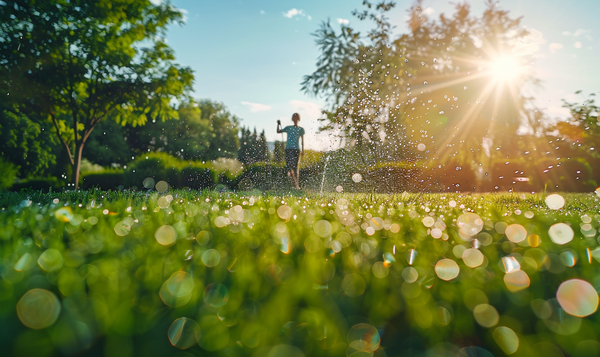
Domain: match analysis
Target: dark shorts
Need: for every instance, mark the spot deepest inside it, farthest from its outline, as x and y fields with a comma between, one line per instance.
x=291, y=159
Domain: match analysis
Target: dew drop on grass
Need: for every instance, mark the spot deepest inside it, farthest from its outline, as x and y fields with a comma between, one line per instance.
x=38, y=308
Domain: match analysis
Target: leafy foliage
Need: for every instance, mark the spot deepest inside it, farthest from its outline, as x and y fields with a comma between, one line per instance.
x=76, y=63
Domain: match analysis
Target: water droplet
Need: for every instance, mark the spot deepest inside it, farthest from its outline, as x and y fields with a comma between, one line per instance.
x=357, y=177
x=472, y=258
x=421, y=147
x=469, y=224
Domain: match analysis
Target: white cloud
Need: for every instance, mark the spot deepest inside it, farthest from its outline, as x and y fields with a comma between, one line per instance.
x=580, y=32
x=309, y=17
x=343, y=21
x=262, y=12
x=156, y=2
x=555, y=46
x=293, y=12
x=577, y=44
x=257, y=107
x=428, y=11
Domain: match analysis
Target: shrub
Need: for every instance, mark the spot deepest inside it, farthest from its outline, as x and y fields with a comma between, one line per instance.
x=197, y=178
x=107, y=180
x=152, y=165
x=9, y=174
x=393, y=177
x=40, y=184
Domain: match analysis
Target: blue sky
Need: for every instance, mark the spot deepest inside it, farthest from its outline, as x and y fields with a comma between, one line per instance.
x=252, y=55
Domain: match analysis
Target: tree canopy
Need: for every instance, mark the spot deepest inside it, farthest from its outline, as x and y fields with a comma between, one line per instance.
x=77, y=62
x=448, y=83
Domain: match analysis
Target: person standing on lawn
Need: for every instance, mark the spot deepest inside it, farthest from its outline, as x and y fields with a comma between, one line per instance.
x=295, y=133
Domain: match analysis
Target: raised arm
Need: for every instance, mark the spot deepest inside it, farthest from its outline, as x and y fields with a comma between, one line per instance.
x=279, y=127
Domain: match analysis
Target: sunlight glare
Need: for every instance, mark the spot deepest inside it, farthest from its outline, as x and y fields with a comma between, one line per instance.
x=506, y=68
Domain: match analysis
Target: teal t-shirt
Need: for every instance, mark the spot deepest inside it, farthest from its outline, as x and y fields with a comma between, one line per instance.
x=293, y=136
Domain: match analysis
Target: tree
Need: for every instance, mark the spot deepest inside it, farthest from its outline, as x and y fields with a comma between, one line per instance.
x=78, y=62
x=262, y=148
x=25, y=144
x=583, y=127
x=224, y=140
x=438, y=91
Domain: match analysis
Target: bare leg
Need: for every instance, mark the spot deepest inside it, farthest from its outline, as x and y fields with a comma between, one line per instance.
x=295, y=177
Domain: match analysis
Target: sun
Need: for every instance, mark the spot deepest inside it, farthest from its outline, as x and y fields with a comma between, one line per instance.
x=506, y=69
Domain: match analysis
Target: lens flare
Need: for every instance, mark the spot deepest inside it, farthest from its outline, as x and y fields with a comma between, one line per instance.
x=184, y=333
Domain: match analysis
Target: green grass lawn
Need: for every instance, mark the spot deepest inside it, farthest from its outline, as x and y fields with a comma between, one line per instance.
x=189, y=274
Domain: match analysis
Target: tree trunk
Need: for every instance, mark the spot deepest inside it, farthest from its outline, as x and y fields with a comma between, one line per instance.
x=77, y=162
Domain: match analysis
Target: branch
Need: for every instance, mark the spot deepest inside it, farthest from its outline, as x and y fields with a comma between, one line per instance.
x=61, y=138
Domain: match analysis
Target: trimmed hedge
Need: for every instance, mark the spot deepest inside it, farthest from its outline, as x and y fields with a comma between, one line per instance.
x=42, y=184
x=109, y=180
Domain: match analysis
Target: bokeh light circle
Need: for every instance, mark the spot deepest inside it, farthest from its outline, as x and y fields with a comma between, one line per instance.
x=38, y=308
x=486, y=315
x=51, y=260
x=165, y=235
x=323, y=228
x=515, y=233
x=447, y=269
x=216, y=295
x=472, y=257
x=162, y=186
x=357, y=177
x=516, y=280
x=284, y=212
x=561, y=233
x=577, y=297
x=364, y=337
x=410, y=274
x=180, y=283
x=507, y=339
x=184, y=333
x=469, y=224
x=211, y=258
x=353, y=285
x=555, y=201
x=148, y=182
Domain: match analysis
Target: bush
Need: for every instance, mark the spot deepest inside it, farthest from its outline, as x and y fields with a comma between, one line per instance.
x=41, y=184
x=263, y=176
x=107, y=180
x=393, y=177
x=197, y=178
x=9, y=174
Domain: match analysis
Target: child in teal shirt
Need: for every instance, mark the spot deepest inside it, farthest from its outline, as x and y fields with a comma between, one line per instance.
x=292, y=147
